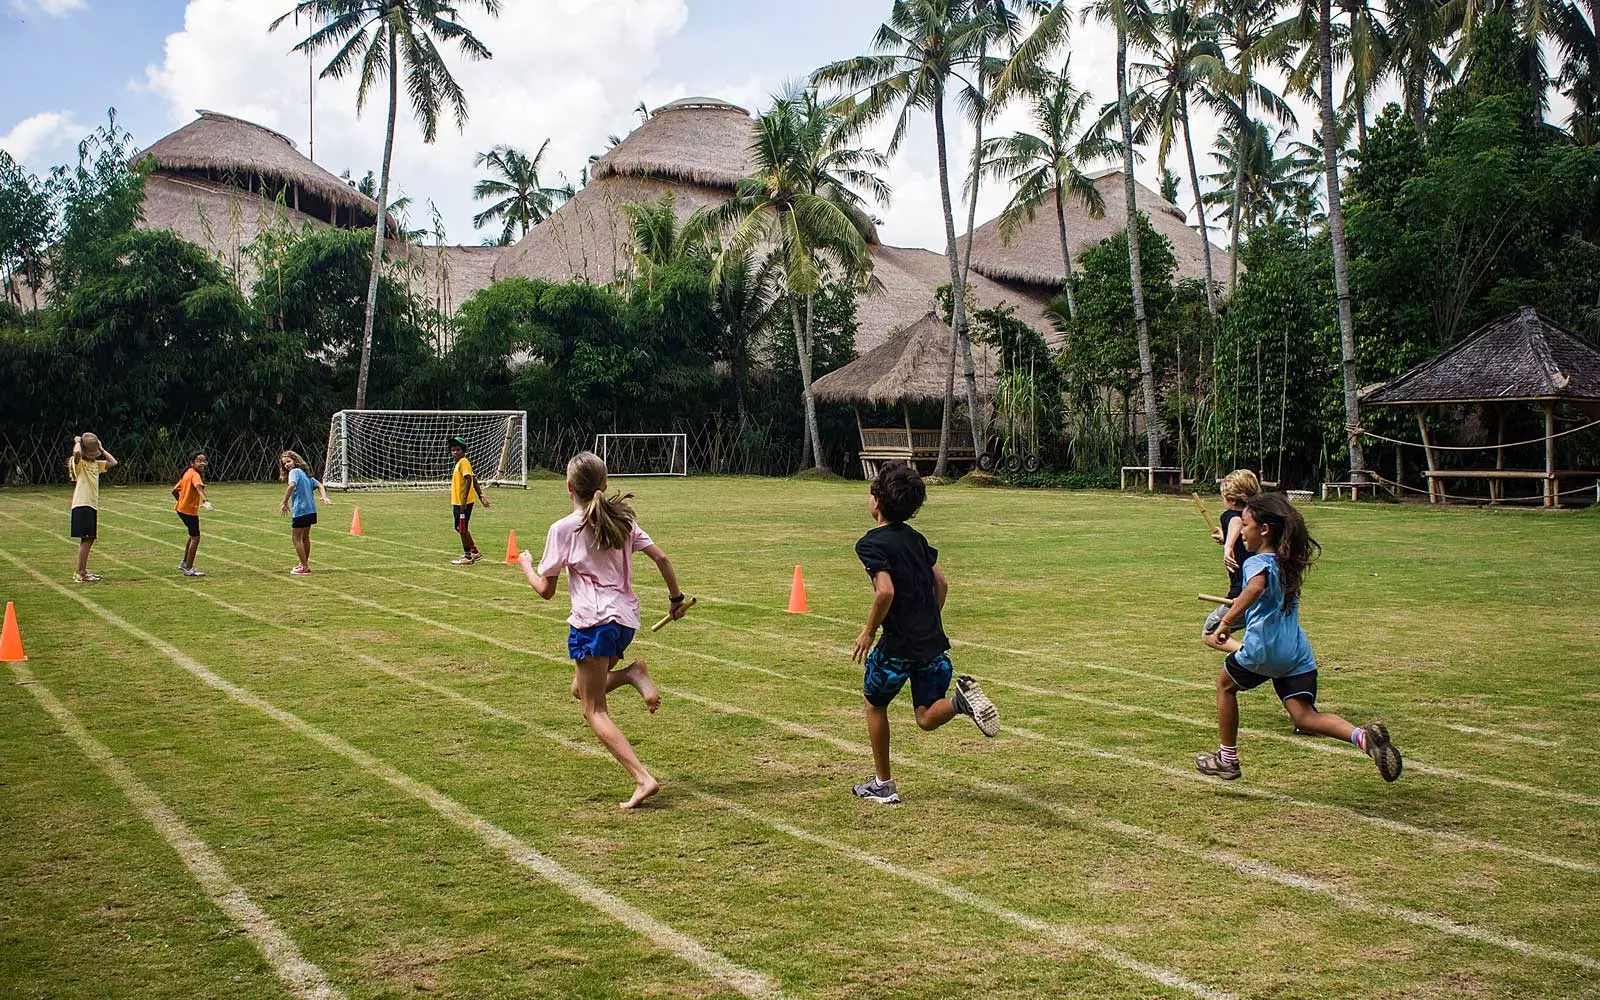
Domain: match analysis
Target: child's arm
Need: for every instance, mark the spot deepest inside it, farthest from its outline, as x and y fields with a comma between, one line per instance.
x=321, y=489
x=668, y=576
x=473, y=486
x=200, y=488
x=941, y=586
x=108, y=458
x=544, y=586
x=882, y=598
x=1234, y=529
x=288, y=491
x=1221, y=640
x=77, y=447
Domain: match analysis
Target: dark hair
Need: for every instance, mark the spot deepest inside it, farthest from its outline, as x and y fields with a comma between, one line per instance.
x=456, y=442
x=899, y=490
x=195, y=454
x=1291, y=541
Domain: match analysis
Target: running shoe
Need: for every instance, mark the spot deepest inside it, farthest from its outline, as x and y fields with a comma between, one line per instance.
x=84, y=578
x=475, y=557
x=301, y=571
x=183, y=567
x=461, y=561
x=881, y=792
x=191, y=571
x=1383, y=753
x=1213, y=764
x=969, y=700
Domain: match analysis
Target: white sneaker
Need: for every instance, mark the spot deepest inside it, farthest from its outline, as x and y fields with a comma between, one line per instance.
x=463, y=561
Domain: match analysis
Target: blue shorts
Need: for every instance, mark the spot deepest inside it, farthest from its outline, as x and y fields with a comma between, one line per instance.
x=609, y=639
x=886, y=675
x=1294, y=686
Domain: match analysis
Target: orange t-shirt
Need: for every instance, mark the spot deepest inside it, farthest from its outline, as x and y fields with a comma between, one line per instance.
x=189, y=492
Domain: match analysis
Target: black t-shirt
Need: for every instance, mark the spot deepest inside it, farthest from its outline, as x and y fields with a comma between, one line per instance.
x=1240, y=554
x=913, y=628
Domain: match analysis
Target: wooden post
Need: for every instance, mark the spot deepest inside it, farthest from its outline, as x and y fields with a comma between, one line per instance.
x=1550, y=497
x=1495, y=485
x=1434, y=488
x=911, y=439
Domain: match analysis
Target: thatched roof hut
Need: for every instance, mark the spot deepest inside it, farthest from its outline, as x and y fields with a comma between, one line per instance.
x=1033, y=256
x=242, y=155
x=1521, y=356
x=696, y=140
x=909, y=367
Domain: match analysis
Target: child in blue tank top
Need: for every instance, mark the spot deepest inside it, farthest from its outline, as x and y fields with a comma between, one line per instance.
x=1275, y=647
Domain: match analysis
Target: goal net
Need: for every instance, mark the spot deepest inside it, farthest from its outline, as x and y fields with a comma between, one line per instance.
x=644, y=454
x=410, y=449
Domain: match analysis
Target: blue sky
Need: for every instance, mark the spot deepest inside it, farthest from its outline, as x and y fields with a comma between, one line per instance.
x=569, y=70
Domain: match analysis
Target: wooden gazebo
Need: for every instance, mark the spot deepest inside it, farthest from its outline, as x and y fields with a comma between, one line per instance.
x=1522, y=358
x=910, y=367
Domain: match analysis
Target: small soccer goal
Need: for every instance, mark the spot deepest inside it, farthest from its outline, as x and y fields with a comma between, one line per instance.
x=644, y=454
x=409, y=449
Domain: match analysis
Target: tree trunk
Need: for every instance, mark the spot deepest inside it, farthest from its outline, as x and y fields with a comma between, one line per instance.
x=975, y=412
x=1066, y=246
x=1341, y=266
x=382, y=225
x=803, y=348
x=1147, y=376
x=1199, y=207
x=958, y=291
x=1241, y=138
x=1361, y=93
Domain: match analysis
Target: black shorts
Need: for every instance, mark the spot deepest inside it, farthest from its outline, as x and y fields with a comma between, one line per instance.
x=460, y=515
x=192, y=522
x=85, y=522
x=1297, y=686
x=303, y=521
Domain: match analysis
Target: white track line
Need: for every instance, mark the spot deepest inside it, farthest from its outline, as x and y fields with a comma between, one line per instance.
x=1062, y=934
x=1414, y=765
x=302, y=977
x=746, y=981
x=1248, y=867
x=1462, y=840
x=1502, y=735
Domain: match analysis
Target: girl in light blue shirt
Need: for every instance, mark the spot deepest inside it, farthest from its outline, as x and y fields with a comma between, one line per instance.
x=1275, y=647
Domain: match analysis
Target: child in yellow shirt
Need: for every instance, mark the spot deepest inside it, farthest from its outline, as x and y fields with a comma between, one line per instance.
x=463, y=486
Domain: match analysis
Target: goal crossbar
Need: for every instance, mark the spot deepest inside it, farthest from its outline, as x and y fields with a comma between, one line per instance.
x=409, y=449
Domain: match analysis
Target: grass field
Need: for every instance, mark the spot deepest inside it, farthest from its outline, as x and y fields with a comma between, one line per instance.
x=371, y=782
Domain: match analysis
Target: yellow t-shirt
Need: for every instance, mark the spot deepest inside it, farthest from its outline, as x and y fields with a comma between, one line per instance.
x=86, y=476
x=458, y=483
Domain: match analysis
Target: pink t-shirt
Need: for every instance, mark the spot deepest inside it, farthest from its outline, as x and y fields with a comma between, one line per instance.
x=600, y=581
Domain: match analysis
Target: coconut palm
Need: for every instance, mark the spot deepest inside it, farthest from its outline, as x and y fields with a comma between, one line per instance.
x=523, y=201
x=1187, y=59
x=1577, y=34
x=1366, y=48
x=381, y=39
x=1273, y=177
x=1417, y=30
x=807, y=219
x=928, y=50
x=1048, y=163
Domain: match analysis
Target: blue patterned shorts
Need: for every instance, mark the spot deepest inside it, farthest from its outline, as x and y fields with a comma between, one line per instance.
x=886, y=675
x=608, y=639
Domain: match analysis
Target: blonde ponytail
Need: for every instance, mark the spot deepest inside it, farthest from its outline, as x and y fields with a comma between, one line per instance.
x=611, y=518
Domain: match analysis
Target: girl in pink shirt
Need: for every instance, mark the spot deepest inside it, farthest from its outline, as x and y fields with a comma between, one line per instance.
x=595, y=545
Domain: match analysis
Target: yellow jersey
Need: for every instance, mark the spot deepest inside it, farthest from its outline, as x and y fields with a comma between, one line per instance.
x=459, y=496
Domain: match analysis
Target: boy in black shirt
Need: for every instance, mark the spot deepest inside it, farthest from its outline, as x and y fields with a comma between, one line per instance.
x=908, y=592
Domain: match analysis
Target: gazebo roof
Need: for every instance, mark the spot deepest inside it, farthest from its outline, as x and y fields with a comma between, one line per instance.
x=909, y=367
x=1522, y=356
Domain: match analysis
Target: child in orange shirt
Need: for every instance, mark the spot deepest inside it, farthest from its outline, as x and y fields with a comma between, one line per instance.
x=191, y=496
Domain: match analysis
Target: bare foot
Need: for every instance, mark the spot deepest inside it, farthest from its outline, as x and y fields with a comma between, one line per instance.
x=639, y=676
x=641, y=792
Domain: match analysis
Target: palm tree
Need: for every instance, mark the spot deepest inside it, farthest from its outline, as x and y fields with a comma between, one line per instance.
x=1243, y=25
x=379, y=39
x=1577, y=34
x=926, y=49
x=660, y=240
x=1048, y=163
x=1188, y=58
x=1367, y=47
x=524, y=201
x=743, y=298
x=1417, y=29
x=1273, y=179
x=809, y=218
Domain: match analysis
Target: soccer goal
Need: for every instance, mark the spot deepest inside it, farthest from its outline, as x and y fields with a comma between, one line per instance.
x=409, y=449
x=644, y=454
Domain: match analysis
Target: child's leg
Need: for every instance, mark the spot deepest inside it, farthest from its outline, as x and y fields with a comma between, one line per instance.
x=463, y=520
x=302, y=544
x=878, y=733
x=592, y=681
x=635, y=673
x=931, y=717
x=190, y=550
x=1227, y=710
x=1306, y=717
x=84, y=545
x=1299, y=694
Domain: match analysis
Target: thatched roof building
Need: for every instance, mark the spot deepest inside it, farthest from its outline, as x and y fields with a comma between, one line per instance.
x=1033, y=256
x=1522, y=356
x=909, y=367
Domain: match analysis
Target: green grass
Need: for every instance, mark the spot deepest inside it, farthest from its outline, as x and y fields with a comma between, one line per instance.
x=1474, y=876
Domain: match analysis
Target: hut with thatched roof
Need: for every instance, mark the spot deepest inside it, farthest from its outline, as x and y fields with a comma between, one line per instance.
x=1033, y=256
x=912, y=366
x=1520, y=358
x=697, y=149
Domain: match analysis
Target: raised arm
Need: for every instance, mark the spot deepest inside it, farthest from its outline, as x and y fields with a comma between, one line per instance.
x=108, y=458
x=882, y=597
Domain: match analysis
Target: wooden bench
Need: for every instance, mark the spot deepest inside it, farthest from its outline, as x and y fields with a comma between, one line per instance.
x=1151, y=475
x=1354, y=489
x=1498, y=477
x=907, y=444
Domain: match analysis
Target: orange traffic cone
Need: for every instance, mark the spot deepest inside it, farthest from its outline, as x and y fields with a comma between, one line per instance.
x=797, y=595
x=512, y=552
x=355, y=522
x=11, y=638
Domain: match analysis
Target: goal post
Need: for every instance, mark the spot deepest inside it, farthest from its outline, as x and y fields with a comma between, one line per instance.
x=409, y=449
x=642, y=455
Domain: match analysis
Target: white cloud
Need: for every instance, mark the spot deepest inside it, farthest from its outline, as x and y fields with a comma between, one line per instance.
x=567, y=70
x=53, y=8
x=32, y=141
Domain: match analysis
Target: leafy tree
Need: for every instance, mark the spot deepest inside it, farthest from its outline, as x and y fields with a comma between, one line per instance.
x=524, y=201
x=381, y=39
x=26, y=218
x=100, y=199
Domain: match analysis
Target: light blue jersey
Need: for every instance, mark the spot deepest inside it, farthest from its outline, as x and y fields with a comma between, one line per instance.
x=302, y=493
x=1274, y=643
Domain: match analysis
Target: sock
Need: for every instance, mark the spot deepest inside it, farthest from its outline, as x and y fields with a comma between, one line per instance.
x=1228, y=755
x=1358, y=738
